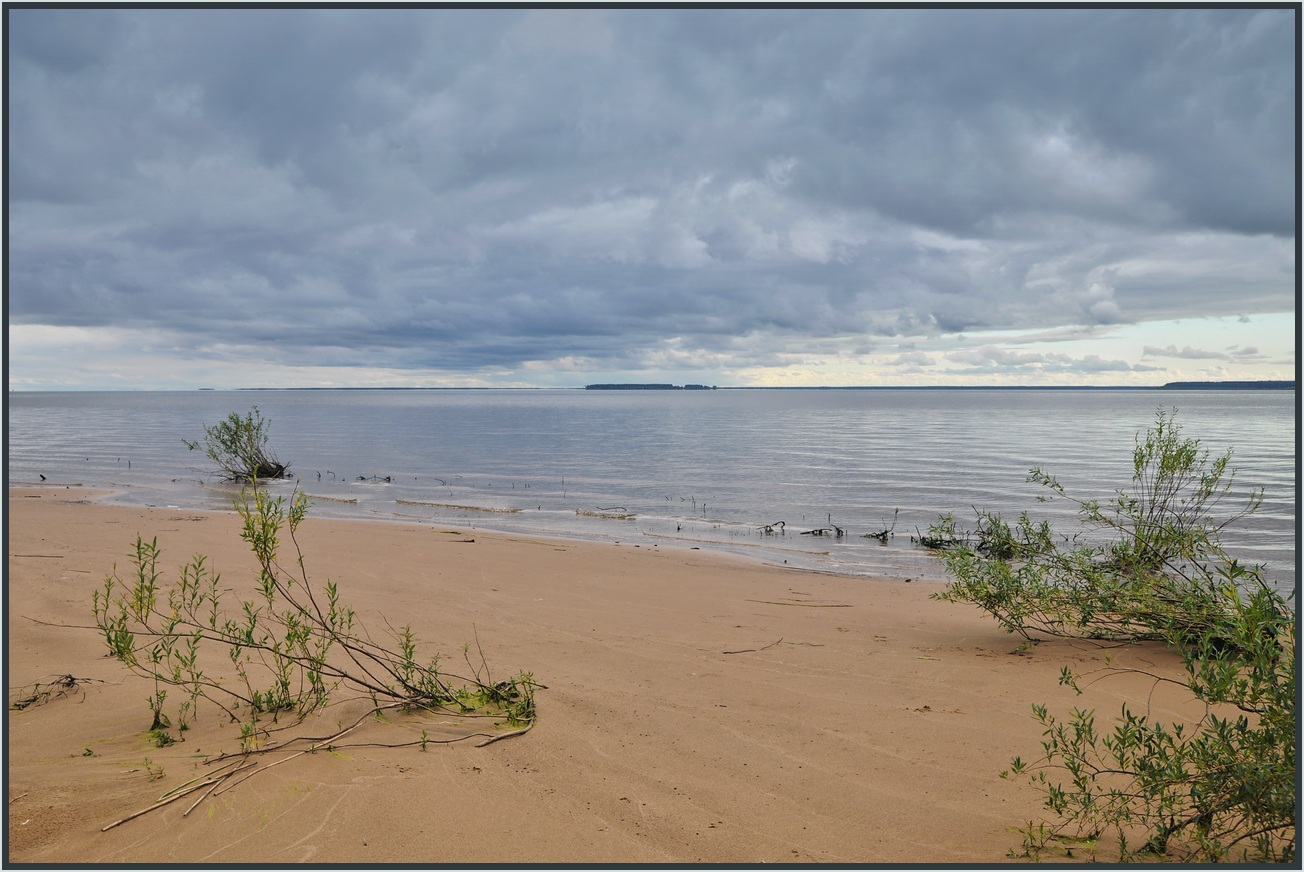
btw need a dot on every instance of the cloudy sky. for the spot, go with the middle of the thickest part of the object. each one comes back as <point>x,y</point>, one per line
<point>538,197</point>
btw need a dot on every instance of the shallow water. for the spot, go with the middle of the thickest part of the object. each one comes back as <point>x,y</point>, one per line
<point>703,469</point>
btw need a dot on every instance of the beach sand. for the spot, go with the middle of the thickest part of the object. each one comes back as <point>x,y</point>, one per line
<point>698,708</point>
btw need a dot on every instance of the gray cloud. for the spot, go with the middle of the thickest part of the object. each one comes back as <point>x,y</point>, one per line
<point>457,190</point>
<point>1187,353</point>
<point>1000,361</point>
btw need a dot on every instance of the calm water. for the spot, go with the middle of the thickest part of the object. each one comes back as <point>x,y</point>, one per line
<point>696,468</point>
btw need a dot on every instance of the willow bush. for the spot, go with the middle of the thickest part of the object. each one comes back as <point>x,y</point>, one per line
<point>292,646</point>
<point>1145,562</point>
<point>238,447</point>
<point>1149,565</point>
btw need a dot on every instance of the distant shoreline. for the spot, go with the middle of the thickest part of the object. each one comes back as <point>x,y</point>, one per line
<point>648,387</point>
<point>1179,386</point>
<point>1282,385</point>
<point>1231,386</point>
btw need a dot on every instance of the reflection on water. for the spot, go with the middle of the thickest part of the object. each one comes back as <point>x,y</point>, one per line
<point>693,468</point>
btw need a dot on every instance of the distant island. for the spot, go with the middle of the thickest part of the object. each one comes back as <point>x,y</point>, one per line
<point>648,387</point>
<point>1231,386</point>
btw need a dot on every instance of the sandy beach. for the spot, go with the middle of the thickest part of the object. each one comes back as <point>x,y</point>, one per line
<point>698,708</point>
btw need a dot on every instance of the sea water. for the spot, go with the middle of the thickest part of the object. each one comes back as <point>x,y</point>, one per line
<point>801,477</point>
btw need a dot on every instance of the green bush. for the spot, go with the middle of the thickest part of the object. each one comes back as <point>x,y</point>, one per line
<point>1148,560</point>
<point>292,646</point>
<point>238,447</point>
<point>1220,789</point>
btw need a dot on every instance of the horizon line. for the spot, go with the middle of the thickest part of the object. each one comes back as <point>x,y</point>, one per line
<point>1230,384</point>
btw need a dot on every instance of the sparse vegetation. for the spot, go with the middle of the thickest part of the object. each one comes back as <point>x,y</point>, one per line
<point>1222,789</point>
<point>291,646</point>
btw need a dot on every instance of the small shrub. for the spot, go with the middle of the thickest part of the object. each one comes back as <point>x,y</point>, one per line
<point>1159,565</point>
<point>292,646</point>
<point>238,447</point>
<point>1222,789</point>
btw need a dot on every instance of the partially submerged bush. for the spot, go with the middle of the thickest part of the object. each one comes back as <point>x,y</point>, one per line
<point>238,447</point>
<point>1163,567</point>
<point>1222,789</point>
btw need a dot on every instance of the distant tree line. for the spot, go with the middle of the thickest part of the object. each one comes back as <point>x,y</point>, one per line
<point>648,387</point>
<point>1231,385</point>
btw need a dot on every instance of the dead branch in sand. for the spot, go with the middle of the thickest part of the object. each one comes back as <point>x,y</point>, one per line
<point>43,692</point>
<point>747,650</point>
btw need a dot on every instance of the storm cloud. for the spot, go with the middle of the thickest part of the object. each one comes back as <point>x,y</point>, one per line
<point>547,196</point>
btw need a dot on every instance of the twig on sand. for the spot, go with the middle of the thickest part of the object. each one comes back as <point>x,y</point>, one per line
<point>492,739</point>
<point>243,766</point>
<point>41,693</point>
<point>746,650</point>
<point>807,605</point>
<point>168,800</point>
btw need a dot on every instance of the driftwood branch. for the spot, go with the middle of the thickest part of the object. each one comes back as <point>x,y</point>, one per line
<point>492,739</point>
<point>746,650</point>
<point>243,765</point>
<point>44,692</point>
<point>805,605</point>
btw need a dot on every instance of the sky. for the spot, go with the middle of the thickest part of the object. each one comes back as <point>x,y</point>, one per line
<point>542,197</point>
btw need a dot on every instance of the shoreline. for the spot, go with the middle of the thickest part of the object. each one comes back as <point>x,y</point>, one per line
<point>698,707</point>
<point>909,563</point>
<point>723,472</point>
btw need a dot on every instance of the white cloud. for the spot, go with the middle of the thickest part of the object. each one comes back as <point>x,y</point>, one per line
<point>1186,352</point>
